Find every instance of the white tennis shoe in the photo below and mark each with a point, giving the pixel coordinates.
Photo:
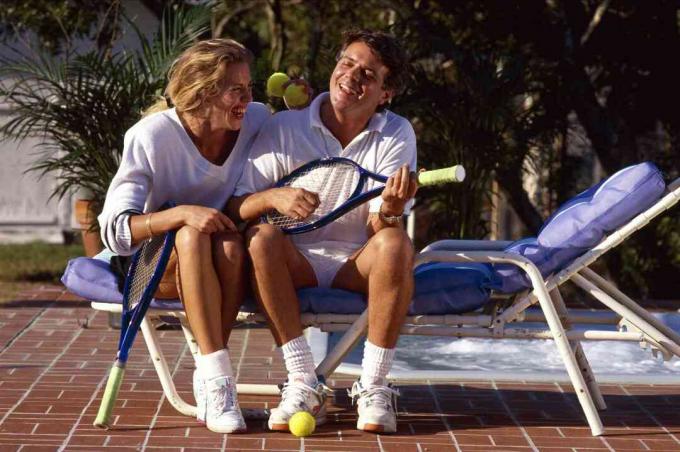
(222, 412)
(295, 397)
(376, 406)
(199, 396)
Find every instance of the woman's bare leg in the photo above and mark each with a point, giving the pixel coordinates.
(229, 260)
(200, 288)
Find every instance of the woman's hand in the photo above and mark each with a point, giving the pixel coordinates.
(399, 189)
(295, 203)
(205, 219)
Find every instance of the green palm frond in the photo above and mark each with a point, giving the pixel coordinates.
(79, 107)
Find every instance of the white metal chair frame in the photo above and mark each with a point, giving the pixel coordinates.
(635, 324)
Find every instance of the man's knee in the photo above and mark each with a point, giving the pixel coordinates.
(393, 243)
(228, 244)
(260, 238)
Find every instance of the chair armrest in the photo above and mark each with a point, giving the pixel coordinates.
(467, 245)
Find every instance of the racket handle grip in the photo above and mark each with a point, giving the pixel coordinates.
(103, 419)
(441, 176)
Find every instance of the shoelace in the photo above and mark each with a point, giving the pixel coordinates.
(223, 397)
(296, 394)
(377, 395)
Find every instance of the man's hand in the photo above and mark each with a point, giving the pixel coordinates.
(399, 189)
(205, 219)
(295, 203)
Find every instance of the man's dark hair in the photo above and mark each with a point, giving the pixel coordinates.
(388, 49)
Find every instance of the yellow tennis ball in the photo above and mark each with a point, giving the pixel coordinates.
(302, 424)
(275, 84)
(296, 95)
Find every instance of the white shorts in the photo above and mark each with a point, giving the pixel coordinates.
(325, 265)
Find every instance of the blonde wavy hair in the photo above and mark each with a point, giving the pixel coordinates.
(198, 74)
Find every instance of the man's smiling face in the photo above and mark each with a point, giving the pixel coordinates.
(357, 82)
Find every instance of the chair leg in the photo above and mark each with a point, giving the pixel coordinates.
(645, 323)
(343, 347)
(580, 356)
(580, 387)
(189, 336)
(163, 371)
(628, 302)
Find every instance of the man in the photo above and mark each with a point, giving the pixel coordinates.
(366, 251)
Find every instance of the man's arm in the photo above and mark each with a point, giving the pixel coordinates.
(293, 202)
(400, 188)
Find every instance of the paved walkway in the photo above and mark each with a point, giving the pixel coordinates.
(55, 352)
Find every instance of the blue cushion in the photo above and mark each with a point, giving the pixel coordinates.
(583, 222)
(441, 288)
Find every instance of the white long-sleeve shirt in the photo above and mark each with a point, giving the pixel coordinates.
(160, 163)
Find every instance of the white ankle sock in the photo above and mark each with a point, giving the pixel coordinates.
(376, 364)
(215, 364)
(299, 361)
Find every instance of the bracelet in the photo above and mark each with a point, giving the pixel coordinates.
(389, 219)
(148, 225)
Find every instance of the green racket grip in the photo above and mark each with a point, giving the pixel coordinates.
(442, 176)
(103, 419)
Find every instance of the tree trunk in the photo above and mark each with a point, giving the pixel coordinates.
(511, 182)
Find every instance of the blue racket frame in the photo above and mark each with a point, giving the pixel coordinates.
(355, 199)
(132, 319)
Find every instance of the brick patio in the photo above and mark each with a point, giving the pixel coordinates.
(56, 352)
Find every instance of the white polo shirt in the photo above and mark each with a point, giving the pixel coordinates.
(290, 139)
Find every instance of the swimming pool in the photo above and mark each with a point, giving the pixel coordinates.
(426, 357)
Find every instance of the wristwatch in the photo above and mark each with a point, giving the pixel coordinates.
(389, 219)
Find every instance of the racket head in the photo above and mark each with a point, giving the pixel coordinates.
(146, 270)
(335, 180)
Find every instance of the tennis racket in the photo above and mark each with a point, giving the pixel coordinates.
(146, 271)
(339, 183)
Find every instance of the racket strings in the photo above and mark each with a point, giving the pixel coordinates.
(150, 255)
(334, 184)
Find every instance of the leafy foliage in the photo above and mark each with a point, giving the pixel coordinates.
(509, 89)
(81, 106)
(56, 23)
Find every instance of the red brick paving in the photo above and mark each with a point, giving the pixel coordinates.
(55, 352)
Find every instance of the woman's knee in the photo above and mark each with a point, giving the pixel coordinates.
(190, 240)
(230, 245)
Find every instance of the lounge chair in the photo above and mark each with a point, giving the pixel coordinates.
(480, 289)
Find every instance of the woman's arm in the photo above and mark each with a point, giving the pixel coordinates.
(205, 219)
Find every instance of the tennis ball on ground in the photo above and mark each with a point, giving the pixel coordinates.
(302, 424)
(275, 84)
(296, 94)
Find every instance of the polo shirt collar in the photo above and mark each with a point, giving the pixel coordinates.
(376, 124)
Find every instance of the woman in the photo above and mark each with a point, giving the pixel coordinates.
(193, 154)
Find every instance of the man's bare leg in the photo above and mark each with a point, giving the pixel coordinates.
(382, 270)
(278, 270)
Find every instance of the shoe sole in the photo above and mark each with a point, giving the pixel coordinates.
(376, 428)
(239, 430)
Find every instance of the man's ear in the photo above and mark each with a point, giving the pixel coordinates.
(386, 97)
